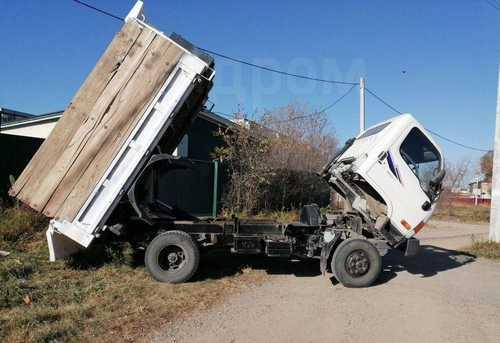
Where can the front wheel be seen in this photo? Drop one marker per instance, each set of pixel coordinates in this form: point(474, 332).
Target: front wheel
point(172, 257)
point(356, 263)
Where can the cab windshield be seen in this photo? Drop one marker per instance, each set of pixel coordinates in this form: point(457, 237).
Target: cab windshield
point(421, 156)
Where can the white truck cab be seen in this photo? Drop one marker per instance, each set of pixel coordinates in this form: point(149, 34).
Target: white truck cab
point(391, 173)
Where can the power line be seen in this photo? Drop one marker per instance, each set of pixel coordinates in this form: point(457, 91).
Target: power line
point(493, 4)
point(339, 99)
point(266, 68)
point(383, 101)
point(99, 10)
point(316, 113)
point(433, 132)
point(326, 108)
point(305, 77)
point(457, 143)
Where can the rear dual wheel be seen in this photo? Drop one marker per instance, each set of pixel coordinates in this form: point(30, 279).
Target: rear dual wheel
point(172, 257)
point(356, 263)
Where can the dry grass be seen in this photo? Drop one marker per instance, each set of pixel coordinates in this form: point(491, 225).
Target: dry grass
point(485, 249)
point(462, 213)
point(19, 224)
point(110, 298)
point(280, 216)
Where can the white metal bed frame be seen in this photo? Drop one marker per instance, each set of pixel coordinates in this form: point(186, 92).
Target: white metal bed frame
point(66, 237)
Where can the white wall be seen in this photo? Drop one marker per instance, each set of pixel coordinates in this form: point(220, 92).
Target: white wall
point(38, 130)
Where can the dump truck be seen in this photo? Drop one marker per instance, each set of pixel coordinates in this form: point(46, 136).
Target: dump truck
point(95, 174)
point(390, 177)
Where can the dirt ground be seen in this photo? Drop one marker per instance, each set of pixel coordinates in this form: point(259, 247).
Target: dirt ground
point(441, 295)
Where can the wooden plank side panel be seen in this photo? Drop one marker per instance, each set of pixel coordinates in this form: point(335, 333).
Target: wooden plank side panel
point(58, 181)
point(75, 114)
point(127, 109)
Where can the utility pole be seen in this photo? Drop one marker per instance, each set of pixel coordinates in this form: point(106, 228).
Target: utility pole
point(361, 104)
point(495, 187)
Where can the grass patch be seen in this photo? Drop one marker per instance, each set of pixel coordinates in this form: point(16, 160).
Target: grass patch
point(102, 294)
point(486, 249)
point(463, 213)
point(18, 225)
point(280, 216)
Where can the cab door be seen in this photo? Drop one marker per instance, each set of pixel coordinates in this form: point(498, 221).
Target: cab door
point(403, 172)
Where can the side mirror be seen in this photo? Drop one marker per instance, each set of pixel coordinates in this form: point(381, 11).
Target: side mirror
point(426, 206)
point(436, 180)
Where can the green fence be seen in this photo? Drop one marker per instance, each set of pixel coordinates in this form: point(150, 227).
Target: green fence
point(191, 185)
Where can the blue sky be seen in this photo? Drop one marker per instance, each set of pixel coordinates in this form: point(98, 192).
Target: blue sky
point(449, 50)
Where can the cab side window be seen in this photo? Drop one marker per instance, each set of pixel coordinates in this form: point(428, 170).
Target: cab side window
point(421, 156)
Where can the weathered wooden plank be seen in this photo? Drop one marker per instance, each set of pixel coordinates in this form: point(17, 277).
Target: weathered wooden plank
point(123, 115)
point(75, 114)
point(56, 181)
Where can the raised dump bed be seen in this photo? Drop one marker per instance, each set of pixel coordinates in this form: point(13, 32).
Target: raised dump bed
point(145, 87)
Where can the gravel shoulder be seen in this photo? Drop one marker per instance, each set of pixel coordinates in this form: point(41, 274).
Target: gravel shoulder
point(441, 295)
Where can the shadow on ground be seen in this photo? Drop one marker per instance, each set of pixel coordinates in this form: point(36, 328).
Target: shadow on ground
point(215, 266)
point(430, 261)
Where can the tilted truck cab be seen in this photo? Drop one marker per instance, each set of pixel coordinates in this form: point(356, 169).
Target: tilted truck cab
point(391, 174)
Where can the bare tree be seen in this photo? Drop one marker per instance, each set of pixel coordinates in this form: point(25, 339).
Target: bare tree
point(245, 154)
point(456, 176)
point(271, 162)
point(302, 141)
point(300, 148)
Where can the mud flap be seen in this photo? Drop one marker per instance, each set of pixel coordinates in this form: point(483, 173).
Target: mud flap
point(326, 252)
point(412, 247)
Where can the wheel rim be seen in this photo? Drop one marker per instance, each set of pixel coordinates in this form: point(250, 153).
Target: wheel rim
point(171, 258)
point(357, 263)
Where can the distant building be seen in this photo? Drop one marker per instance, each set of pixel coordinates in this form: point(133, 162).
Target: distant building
point(34, 126)
point(481, 189)
point(7, 115)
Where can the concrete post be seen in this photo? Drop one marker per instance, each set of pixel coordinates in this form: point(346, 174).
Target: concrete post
point(495, 187)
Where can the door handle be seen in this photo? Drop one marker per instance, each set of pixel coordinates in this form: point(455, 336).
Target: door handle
point(382, 156)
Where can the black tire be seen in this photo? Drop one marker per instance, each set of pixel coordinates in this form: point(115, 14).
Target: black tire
point(356, 263)
point(172, 257)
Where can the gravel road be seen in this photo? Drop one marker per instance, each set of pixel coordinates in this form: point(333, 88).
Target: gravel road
point(441, 295)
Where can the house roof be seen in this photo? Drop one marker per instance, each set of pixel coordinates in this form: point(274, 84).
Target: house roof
point(54, 117)
point(33, 120)
point(216, 119)
point(19, 114)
